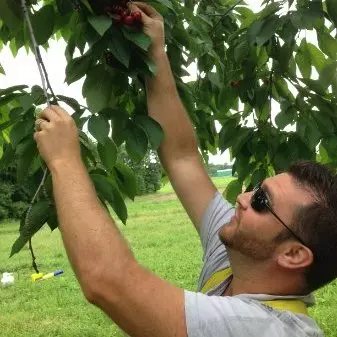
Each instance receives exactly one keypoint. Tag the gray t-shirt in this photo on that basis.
(213, 315)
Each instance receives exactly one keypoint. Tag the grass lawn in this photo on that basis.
(161, 237)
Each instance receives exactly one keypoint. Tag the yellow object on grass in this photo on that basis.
(36, 277)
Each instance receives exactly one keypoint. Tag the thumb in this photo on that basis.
(144, 18)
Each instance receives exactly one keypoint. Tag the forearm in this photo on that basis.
(93, 243)
(165, 106)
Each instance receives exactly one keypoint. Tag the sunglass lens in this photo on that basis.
(258, 201)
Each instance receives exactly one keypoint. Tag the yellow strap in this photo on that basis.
(216, 279)
(292, 305)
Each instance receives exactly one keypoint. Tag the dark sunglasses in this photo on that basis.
(260, 204)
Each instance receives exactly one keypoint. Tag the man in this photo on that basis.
(281, 240)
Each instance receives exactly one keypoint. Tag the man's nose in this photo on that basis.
(243, 200)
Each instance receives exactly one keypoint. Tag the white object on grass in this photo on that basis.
(7, 279)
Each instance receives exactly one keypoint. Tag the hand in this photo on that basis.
(57, 137)
(153, 24)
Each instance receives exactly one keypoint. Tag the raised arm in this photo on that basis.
(142, 304)
(178, 153)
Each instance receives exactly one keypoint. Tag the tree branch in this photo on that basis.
(36, 49)
(45, 85)
(33, 256)
(225, 14)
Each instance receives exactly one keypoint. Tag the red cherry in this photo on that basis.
(137, 16)
(108, 9)
(128, 20)
(235, 84)
(119, 19)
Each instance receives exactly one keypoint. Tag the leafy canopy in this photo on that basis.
(270, 88)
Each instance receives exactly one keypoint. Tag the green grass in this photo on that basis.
(161, 237)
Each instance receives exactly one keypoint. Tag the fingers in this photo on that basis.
(147, 9)
(59, 111)
(52, 113)
(134, 8)
(48, 114)
(39, 124)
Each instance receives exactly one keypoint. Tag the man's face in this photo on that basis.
(252, 233)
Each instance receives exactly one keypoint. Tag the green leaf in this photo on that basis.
(327, 44)
(139, 38)
(77, 68)
(258, 176)
(126, 179)
(227, 134)
(52, 220)
(109, 192)
(26, 101)
(306, 18)
(97, 88)
(332, 11)
(323, 122)
(43, 24)
(243, 137)
(285, 117)
(226, 99)
(99, 127)
(215, 79)
(69, 101)
(330, 145)
(107, 153)
(241, 51)
(314, 85)
(86, 3)
(64, 6)
(8, 16)
(328, 75)
(317, 57)
(151, 66)
(9, 90)
(20, 130)
(13, 47)
(100, 23)
(267, 31)
(26, 151)
(136, 141)
(36, 218)
(166, 3)
(303, 59)
(233, 189)
(37, 95)
(153, 130)
(2, 70)
(119, 48)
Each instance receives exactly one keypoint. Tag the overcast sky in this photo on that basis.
(23, 70)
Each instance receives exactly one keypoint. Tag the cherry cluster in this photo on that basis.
(122, 15)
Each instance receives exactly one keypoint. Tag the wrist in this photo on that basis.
(59, 165)
(157, 52)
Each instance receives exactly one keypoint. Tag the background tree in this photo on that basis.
(212, 169)
(272, 90)
(148, 171)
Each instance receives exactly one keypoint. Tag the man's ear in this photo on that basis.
(295, 256)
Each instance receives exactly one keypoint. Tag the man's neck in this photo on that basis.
(256, 277)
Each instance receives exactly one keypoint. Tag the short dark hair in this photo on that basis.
(316, 223)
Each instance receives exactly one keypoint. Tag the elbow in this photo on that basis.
(90, 288)
(100, 292)
(102, 286)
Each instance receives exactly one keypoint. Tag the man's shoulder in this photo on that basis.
(240, 316)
